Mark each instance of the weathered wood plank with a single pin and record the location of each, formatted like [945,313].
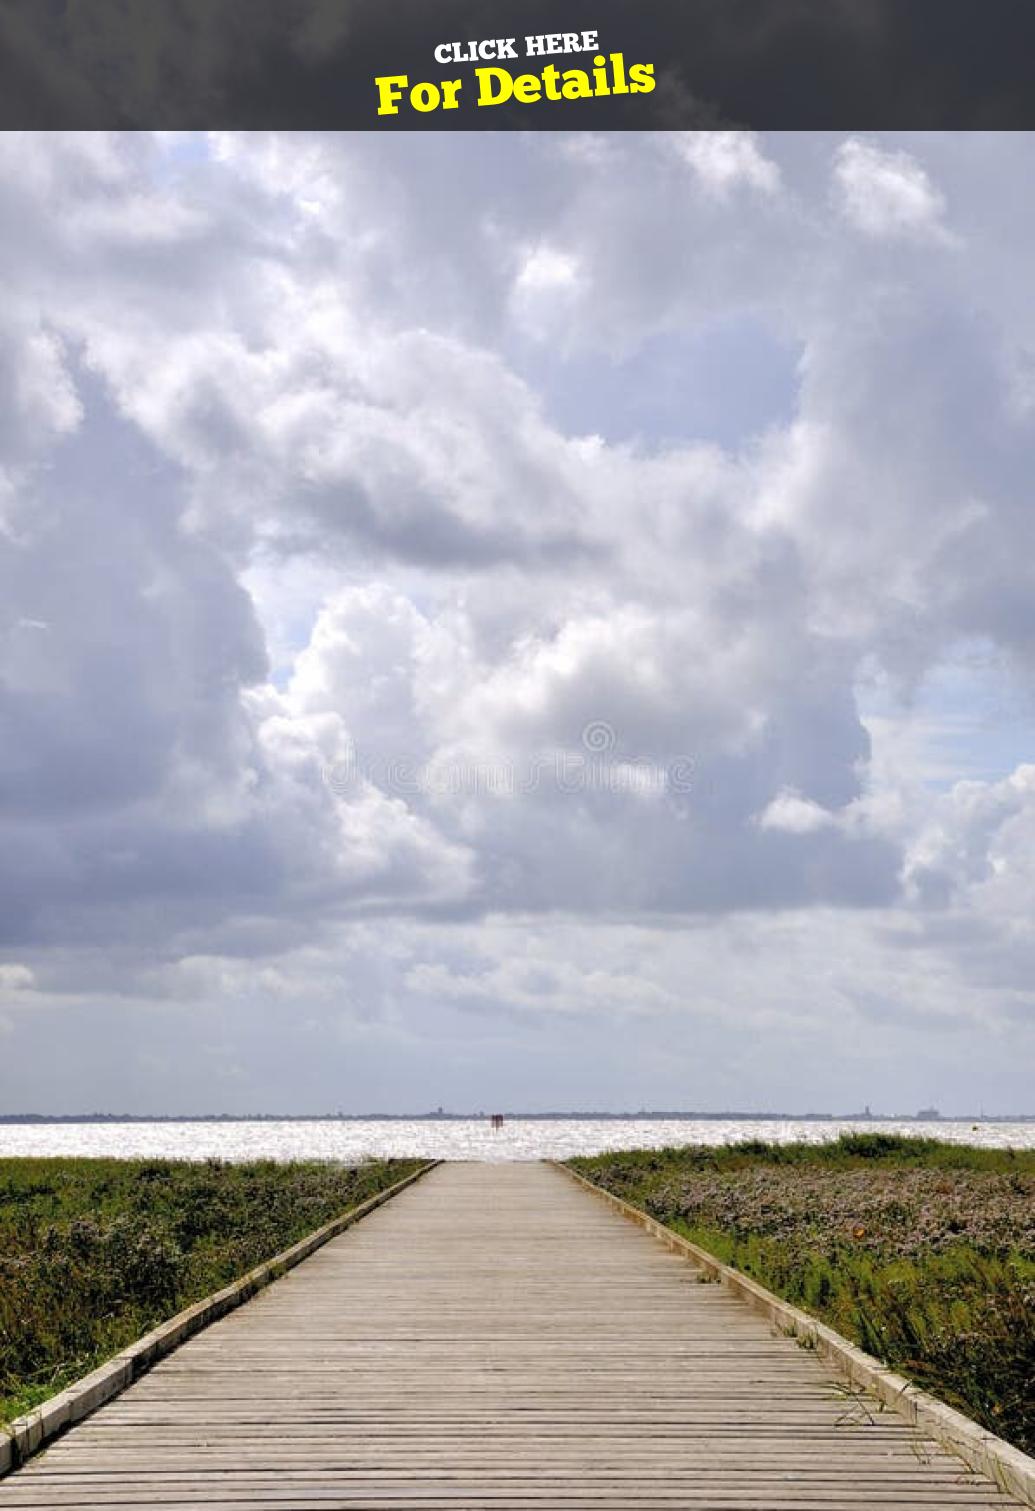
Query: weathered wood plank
[494,1338]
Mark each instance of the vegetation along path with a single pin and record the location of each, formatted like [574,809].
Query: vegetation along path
[493,1337]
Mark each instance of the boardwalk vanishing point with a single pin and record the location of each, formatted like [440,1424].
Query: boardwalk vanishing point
[494,1337]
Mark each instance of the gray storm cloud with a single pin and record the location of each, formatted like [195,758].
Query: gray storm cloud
[343,680]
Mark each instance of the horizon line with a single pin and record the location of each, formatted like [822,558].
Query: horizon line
[924,1115]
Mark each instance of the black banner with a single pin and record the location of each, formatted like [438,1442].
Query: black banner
[532,65]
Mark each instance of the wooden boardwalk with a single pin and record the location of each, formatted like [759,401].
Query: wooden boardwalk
[494,1337]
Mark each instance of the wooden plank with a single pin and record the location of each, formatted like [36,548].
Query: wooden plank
[28,1433]
[494,1338]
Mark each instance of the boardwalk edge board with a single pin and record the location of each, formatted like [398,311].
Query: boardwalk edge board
[1010,1469]
[27,1434]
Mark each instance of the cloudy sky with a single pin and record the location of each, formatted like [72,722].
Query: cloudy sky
[539,621]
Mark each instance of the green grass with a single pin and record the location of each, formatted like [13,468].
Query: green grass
[96,1252]
[923,1253]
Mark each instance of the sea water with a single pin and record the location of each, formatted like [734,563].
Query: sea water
[456,1139]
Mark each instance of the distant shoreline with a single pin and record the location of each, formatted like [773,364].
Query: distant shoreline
[24,1118]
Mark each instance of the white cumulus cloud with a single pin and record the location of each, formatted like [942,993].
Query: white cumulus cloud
[888,194]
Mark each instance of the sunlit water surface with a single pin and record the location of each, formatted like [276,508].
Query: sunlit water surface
[467,1139]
